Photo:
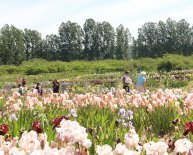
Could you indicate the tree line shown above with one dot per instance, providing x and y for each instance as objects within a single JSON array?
[
  {"x": 170, "y": 37},
  {"x": 95, "y": 41}
]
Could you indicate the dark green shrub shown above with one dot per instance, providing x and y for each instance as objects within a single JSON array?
[
  {"x": 177, "y": 84},
  {"x": 36, "y": 70},
  {"x": 11, "y": 70},
  {"x": 52, "y": 69},
  {"x": 166, "y": 66}
]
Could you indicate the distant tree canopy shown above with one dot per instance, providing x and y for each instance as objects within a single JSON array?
[
  {"x": 157, "y": 39},
  {"x": 96, "y": 41}
]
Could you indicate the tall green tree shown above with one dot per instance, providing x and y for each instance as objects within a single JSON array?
[
  {"x": 33, "y": 44},
  {"x": 107, "y": 41},
  {"x": 127, "y": 44},
  {"x": 155, "y": 40},
  {"x": 93, "y": 41},
  {"x": 89, "y": 29},
  {"x": 162, "y": 39},
  {"x": 71, "y": 36},
  {"x": 52, "y": 46},
  {"x": 11, "y": 45},
  {"x": 171, "y": 36},
  {"x": 184, "y": 35},
  {"x": 149, "y": 37},
  {"x": 123, "y": 38},
  {"x": 97, "y": 42}
]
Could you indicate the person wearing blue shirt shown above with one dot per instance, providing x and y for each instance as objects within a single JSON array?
[{"x": 140, "y": 84}]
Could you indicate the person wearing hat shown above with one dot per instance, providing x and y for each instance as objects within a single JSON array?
[
  {"x": 140, "y": 84},
  {"x": 126, "y": 81}
]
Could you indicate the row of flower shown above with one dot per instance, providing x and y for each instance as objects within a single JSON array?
[
  {"x": 109, "y": 118},
  {"x": 72, "y": 139},
  {"x": 114, "y": 99}
]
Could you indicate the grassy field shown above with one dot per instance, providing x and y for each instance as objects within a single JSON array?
[{"x": 40, "y": 70}]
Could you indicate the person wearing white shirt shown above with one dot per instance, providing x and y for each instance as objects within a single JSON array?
[
  {"x": 21, "y": 89},
  {"x": 126, "y": 81}
]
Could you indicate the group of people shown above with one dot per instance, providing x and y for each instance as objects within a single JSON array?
[
  {"x": 140, "y": 82},
  {"x": 22, "y": 83},
  {"x": 127, "y": 82},
  {"x": 56, "y": 87}
]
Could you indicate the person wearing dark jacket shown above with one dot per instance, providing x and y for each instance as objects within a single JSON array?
[
  {"x": 56, "y": 86},
  {"x": 23, "y": 82}
]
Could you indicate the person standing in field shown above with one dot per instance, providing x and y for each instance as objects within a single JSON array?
[
  {"x": 39, "y": 88},
  {"x": 138, "y": 69},
  {"x": 20, "y": 89},
  {"x": 23, "y": 82},
  {"x": 141, "y": 82},
  {"x": 19, "y": 82},
  {"x": 126, "y": 81},
  {"x": 56, "y": 86}
]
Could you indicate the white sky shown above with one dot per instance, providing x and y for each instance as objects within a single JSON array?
[{"x": 46, "y": 16}]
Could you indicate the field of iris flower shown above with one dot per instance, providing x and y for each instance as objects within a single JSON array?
[{"x": 92, "y": 114}]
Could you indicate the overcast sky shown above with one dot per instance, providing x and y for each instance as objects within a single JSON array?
[{"x": 46, "y": 16}]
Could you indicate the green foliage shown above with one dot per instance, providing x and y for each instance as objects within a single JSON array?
[
  {"x": 174, "y": 62},
  {"x": 38, "y": 66},
  {"x": 123, "y": 38},
  {"x": 13, "y": 69},
  {"x": 156, "y": 39},
  {"x": 32, "y": 41},
  {"x": 160, "y": 119},
  {"x": 96, "y": 41},
  {"x": 11, "y": 45},
  {"x": 166, "y": 66},
  {"x": 8, "y": 69},
  {"x": 71, "y": 38},
  {"x": 36, "y": 70},
  {"x": 139, "y": 120},
  {"x": 176, "y": 83}
]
